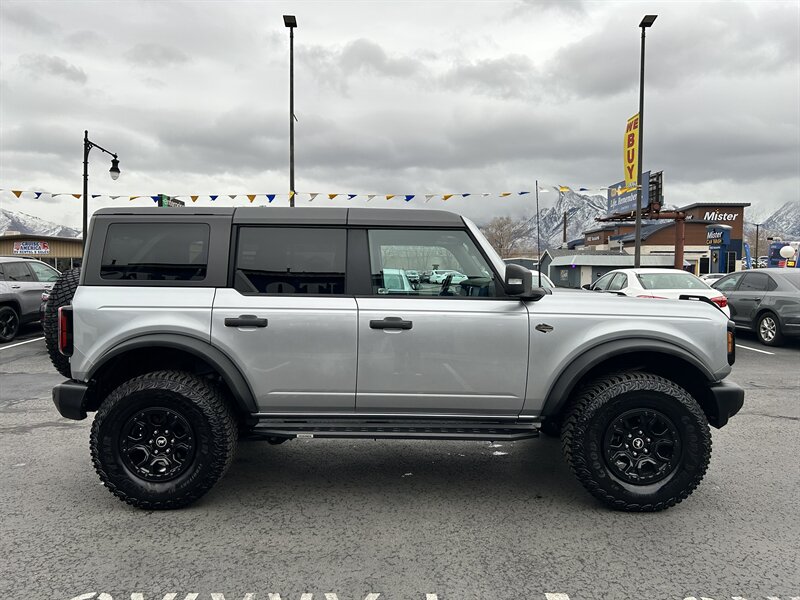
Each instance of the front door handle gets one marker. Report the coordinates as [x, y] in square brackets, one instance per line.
[246, 321]
[390, 323]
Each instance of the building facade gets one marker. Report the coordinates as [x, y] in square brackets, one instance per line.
[63, 253]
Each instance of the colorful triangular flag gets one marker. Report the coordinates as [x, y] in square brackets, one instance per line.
[390, 196]
[17, 193]
[214, 197]
[38, 194]
[370, 196]
[332, 196]
[409, 197]
[270, 197]
[312, 196]
[351, 196]
[251, 197]
[446, 196]
[428, 197]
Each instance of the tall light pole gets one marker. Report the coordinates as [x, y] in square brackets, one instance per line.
[291, 22]
[113, 171]
[758, 226]
[637, 256]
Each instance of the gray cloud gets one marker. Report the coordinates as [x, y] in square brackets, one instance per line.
[512, 76]
[681, 45]
[155, 55]
[573, 7]
[40, 65]
[85, 40]
[27, 19]
[366, 55]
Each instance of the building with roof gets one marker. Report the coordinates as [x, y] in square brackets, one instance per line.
[63, 253]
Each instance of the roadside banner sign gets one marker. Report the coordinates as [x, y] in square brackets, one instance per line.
[631, 151]
[31, 248]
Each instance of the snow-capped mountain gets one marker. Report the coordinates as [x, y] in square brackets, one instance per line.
[581, 212]
[15, 221]
[785, 221]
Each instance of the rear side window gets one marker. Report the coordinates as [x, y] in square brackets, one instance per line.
[156, 252]
[290, 260]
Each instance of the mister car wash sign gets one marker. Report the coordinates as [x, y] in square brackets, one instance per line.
[631, 151]
[31, 248]
[718, 236]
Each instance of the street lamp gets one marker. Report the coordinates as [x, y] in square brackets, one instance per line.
[637, 257]
[291, 22]
[113, 171]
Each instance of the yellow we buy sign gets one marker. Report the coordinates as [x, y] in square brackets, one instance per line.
[631, 150]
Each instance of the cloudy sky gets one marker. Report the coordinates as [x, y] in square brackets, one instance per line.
[397, 98]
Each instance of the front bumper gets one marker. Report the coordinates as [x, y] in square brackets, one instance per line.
[70, 399]
[728, 398]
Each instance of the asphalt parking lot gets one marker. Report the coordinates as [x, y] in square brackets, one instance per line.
[405, 520]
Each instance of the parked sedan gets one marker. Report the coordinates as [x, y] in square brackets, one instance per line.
[657, 283]
[766, 301]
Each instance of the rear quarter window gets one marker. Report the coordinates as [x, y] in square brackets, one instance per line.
[155, 252]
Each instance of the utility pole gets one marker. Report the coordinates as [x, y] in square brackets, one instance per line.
[647, 21]
[565, 230]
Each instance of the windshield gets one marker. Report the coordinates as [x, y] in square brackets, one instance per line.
[671, 281]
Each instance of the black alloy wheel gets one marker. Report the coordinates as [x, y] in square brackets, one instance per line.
[642, 446]
[9, 324]
[157, 444]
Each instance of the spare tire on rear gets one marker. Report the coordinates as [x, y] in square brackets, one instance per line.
[61, 295]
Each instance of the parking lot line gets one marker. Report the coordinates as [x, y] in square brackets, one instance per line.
[20, 343]
[755, 349]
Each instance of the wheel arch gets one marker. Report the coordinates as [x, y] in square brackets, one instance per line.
[655, 356]
[157, 351]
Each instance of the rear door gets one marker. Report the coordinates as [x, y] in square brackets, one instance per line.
[457, 349]
[748, 297]
[22, 284]
[287, 320]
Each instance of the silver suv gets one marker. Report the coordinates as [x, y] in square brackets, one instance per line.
[22, 283]
[190, 327]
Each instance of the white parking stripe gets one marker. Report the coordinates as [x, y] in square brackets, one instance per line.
[755, 349]
[20, 343]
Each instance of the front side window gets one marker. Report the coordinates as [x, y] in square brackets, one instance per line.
[43, 272]
[602, 284]
[620, 281]
[453, 264]
[18, 271]
[156, 252]
[290, 260]
[727, 284]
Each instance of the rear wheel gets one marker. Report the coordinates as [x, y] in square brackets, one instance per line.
[63, 291]
[637, 441]
[9, 323]
[163, 439]
[768, 330]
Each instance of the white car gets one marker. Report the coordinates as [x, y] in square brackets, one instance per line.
[712, 277]
[658, 283]
[438, 275]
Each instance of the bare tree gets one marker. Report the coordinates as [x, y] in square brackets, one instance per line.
[509, 236]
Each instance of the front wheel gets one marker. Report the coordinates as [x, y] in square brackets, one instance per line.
[636, 441]
[163, 439]
[768, 330]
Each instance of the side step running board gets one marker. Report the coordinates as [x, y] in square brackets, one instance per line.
[420, 430]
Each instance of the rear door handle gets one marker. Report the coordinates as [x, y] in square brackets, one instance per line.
[390, 323]
[246, 321]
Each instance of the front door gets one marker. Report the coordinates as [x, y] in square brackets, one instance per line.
[459, 347]
[747, 297]
[287, 321]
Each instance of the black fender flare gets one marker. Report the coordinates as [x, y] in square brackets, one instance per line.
[227, 369]
[564, 385]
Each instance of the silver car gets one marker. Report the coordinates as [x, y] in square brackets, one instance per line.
[22, 283]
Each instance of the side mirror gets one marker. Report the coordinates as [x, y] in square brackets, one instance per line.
[587, 286]
[519, 281]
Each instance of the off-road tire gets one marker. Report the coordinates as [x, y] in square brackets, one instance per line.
[9, 324]
[212, 425]
[768, 322]
[606, 400]
[61, 295]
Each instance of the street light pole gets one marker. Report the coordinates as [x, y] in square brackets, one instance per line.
[113, 171]
[647, 21]
[757, 227]
[291, 22]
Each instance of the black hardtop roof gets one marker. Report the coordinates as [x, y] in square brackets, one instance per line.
[304, 215]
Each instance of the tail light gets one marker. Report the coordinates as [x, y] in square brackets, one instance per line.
[731, 343]
[65, 330]
[646, 296]
[720, 301]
